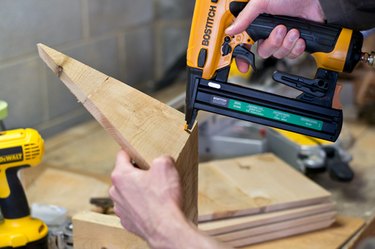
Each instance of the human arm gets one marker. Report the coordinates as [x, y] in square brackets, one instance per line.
[148, 204]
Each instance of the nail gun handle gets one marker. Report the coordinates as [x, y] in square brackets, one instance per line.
[318, 37]
[334, 48]
[14, 205]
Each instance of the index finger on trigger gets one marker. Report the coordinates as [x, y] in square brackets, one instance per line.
[242, 65]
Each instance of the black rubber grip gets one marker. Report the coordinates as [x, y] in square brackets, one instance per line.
[15, 206]
[236, 7]
[318, 37]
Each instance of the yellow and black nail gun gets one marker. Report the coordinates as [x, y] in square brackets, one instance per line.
[19, 149]
[315, 112]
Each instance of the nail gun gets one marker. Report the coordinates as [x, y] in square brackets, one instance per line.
[316, 112]
[19, 149]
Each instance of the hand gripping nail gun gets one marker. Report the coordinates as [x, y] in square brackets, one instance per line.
[19, 149]
[315, 112]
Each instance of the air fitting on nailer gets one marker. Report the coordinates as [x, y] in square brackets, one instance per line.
[368, 58]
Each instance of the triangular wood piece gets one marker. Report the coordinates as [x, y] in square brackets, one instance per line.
[141, 125]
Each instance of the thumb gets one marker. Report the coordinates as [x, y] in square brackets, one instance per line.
[245, 18]
[165, 162]
[123, 162]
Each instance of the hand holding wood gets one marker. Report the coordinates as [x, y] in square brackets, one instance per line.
[144, 199]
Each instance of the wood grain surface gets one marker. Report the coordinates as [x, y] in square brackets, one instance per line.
[140, 124]
[333, 237]
[66, 189]
[98, 231]
[143, 126]
[281, 233]
[254, 184]
[250, 221]
[274, 227]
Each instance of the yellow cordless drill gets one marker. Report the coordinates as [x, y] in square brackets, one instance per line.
[19, 149]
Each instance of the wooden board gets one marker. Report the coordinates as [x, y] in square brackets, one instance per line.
[367, 232]
[255, 184]
[217, 195]
[238, 223]
[264, 229]
[127, 114]
[281, 234]
[66, 189]
[140, 124]
[81, 149]
[98, 231]
[333, 237]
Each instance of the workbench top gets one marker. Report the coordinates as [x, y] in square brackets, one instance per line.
[85, 155]
[88, 150]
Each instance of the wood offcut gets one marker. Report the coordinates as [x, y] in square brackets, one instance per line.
[140, 124]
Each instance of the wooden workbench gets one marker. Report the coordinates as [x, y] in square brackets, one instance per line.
[79, 151]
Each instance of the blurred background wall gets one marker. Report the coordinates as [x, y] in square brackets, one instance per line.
[134, 41]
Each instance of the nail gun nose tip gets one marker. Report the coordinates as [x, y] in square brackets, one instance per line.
[372, 59]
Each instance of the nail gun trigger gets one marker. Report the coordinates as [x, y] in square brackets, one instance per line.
[245, 54]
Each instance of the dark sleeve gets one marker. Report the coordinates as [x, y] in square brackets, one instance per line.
[354, 14]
